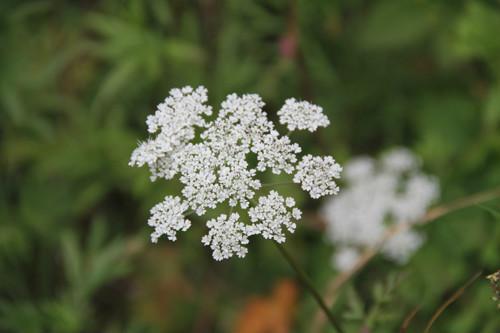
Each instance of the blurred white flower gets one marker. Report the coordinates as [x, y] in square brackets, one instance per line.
[360, 169]
[378, 194]
[400, 160]
[345, 258]
[402, 245]
[211, 160]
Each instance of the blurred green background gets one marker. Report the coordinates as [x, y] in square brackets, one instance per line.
[77, 79]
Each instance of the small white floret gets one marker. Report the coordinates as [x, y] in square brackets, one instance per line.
[302, 115]
[167, 218]
[317, 175]
[272, 215]
[226, 237]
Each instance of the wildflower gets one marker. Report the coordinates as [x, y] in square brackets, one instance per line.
[400, 160]
[378, 194]
[226, 237]
[345, 258]
[167, 217]
[211, 160]
[402, 245]
[495, 285]
[302, 115]
[176, 119]
[360, 169]
[278, 154]
[317, 175]
[272, 214]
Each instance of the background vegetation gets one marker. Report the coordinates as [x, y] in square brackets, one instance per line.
[77, 79]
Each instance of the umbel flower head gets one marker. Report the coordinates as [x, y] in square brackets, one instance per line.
[378, 194]
[211, 158]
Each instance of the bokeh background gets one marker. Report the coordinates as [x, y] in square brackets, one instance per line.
[77, 79]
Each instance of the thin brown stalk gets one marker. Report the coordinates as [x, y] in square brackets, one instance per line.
[306, 281]
[456, 295]
[338, 281]
[408, 319]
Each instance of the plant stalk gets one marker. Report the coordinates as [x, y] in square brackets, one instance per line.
[306, 281]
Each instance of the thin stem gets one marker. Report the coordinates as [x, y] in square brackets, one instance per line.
[408, 319]
[278, 183]
[456, 295]
[306, 281]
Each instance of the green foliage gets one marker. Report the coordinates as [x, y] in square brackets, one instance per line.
[67, 306]
[78, 78]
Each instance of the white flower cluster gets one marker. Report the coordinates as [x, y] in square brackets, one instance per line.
[378, 194]
[302, 115]
[167, 217]
[212, 161]
[316, 174]
[272, 214]
[226, 236]
[175, 119]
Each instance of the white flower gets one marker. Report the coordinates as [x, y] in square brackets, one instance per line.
[302, 115]
[317, 175]
[213, 160]
[180, 111]
[197, 167]
[167, 217]
[401, 246]
[226, 237]
[413, 200]
[359, 169]
[276, 153]
[272, 214]
[355, 217]
[400, 160]
[345, 258]
[175, 119]
[381, 193]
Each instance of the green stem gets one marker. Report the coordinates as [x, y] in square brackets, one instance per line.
[276, 184]
[306, 281]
